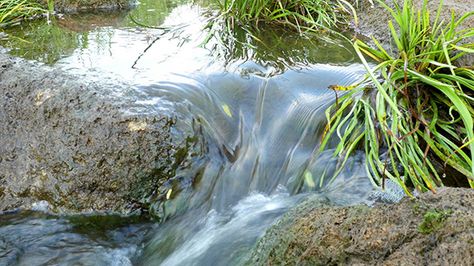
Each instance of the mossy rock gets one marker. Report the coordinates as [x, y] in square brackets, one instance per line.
[436, 229]
[71, 6]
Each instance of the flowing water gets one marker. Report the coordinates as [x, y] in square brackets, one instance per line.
[259, 109]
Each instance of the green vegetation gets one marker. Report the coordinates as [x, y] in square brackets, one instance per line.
[302, 14]
[236, 32]
[14, 11]
[413, 114]
[432, 221]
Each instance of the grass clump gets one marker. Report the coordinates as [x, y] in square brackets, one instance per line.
[413, 114]
[15, 11]
[302, 14]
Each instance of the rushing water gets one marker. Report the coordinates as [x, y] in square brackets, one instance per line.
[259, 108]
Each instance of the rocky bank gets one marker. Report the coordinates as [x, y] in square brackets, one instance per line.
[434, 229]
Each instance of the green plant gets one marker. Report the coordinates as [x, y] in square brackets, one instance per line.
[50, 4]
[14, 11]
[302, 14]
[413, 114]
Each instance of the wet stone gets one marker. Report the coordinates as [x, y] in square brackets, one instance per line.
[72, 144]
[434, 229]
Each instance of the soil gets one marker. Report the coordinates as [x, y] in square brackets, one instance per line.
[74, 145]
[435, 229]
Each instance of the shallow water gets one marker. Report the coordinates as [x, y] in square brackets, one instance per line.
[258, 107]
[36, 238]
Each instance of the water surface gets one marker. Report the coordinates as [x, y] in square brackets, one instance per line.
[257, 103]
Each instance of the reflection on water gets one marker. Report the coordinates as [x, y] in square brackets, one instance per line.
[89, 33]
[255, 97]
[113, 43]
[276, 47]
[35, 238]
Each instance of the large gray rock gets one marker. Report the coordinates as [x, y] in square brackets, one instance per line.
[72, 143]
[435, 229]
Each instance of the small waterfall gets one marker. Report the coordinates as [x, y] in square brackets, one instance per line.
[262, 136]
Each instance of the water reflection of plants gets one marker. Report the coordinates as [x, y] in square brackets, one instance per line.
[48, 42]
[152, 13]
[15, 11]
[45, 42]
[264, 32]
[415, 118]
[268, 45]
[275, 46]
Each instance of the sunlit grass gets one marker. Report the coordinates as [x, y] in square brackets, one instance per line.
[413, 114]
[301, 14]
[14, 11]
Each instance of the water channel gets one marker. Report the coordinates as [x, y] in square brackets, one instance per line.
[260, 104]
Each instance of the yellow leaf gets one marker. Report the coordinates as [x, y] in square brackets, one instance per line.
[168, 194]
[226, 109]
[341, 88]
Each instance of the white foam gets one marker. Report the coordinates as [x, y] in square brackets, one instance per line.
[40, 206]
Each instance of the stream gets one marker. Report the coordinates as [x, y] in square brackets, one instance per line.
[260, 109]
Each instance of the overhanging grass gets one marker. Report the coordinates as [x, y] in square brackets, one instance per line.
[413, 114]
[302, 14]
[14, 11]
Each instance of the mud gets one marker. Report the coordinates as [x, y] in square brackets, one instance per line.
[71, 143]
[435, 229]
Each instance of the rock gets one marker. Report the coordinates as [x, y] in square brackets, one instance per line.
[72, 6]
[72, 143]
[373, 20]
[435, 229]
